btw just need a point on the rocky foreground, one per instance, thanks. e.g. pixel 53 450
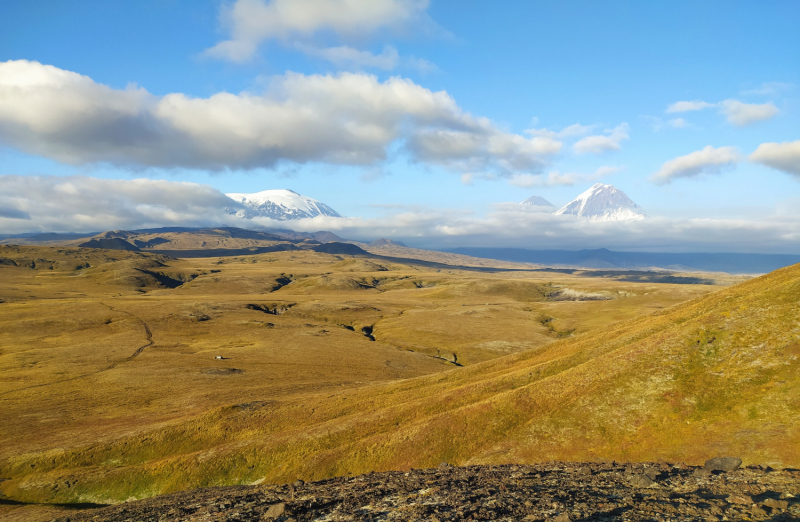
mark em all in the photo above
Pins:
pixel 557 491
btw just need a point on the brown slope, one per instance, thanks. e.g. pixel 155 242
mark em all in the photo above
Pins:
pixel 715 375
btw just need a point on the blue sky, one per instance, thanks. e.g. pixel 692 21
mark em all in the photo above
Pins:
pixel 509 72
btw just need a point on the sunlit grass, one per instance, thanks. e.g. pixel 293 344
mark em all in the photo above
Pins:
pixel 589 380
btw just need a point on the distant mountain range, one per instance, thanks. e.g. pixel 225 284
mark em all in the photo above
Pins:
pixel 599 203
pixel 157 240
pixel 279 204
pixel 603 258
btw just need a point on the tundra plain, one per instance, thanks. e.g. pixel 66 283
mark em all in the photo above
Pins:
pixel 127 374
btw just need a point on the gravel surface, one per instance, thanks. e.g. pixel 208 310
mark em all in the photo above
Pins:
pixel 556 491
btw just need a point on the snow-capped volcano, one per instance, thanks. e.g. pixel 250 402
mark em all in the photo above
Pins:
pixel 603 203
pixel 538 203
pixel 280 204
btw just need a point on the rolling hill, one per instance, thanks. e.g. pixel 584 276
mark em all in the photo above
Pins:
pixel 715 375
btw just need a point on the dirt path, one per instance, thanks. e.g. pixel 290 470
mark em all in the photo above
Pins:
pixel 148 333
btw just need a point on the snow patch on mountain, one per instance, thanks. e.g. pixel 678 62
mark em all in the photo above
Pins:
pixel 603 203
pixel 279 204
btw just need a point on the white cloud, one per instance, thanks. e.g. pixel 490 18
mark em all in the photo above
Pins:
pixel 571 131
pixel 678 123
pixel 481 147
pixel 736 112
pixel 345 57
pixel 348 118
pixel 601 172
pixel 552 179
pixel 251 22
pixel 686 106
pixel 556 178
pixel 82 204
pixel 781 156
pixel 350 58
pixel 603 143
pixel 742 114
pixel 419 64
pixel 769 89
pixel 78 203
pixel 707 160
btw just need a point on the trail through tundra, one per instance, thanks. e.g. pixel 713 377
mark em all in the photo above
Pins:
pixel 139 350
pixel 137 353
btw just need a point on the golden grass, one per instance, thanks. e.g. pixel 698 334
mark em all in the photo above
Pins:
pixel 301 395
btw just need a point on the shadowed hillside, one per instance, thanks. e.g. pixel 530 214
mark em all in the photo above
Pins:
pixel 716 375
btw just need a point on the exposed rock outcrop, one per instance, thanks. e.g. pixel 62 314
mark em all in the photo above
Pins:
pixel 547 492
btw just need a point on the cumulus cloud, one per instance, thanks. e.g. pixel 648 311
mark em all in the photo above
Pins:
pixel 600 144
pixel 348 118
pixel 736 112
pixel 555 178
pixel 514 226
pixel 251 22
pixel 551 179
pixel 510 227
pixel 481 147
pixel 601 172
pixel 571 131
pixel 769 88
pixel 678 123
pixel 13 213
pixel 686 106
pixel 82 204
pixel 708 160
pixel 781 156
pixel 346 57
pixel 743 114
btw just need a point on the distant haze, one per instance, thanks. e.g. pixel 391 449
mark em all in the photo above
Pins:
pixel 603 258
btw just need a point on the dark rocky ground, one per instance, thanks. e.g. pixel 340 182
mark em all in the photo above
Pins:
pixel 555 491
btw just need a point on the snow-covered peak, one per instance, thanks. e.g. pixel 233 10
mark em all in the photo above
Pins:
pixel 603 203
pixel 280 204
pixel 537 201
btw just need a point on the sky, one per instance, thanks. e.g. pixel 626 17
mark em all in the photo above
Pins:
pixel 423 121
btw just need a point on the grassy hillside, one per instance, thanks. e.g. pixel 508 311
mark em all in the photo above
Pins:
pixel 715 375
